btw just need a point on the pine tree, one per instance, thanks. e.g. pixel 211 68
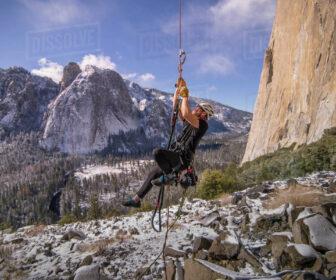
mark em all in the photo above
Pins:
pixel 95 211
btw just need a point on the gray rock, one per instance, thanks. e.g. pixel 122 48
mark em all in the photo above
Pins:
pixel 73 233
pixel 210 218
pixel 332 274
pixel 201 243
pixel 301 254
pixel 202 255
pixel 293 214
pixel 300 233
pixel 247 256
pixel 225 246
pixel 237 197
pixel 244 224
pixel 134 231
pixel 58 270
pixel 170 252
pixel 276 222
pixel 87 260
pixel 265 250
pixel 277 244
pixel 70 72
pixel 331 265
pixel 304 275
pixel 322 233
pixel 194 270
pixel 171 271
pixel 95 106
pixel 88 272
pixel 327 210
pixel 179 271
pixel 331 256
pixel 17 240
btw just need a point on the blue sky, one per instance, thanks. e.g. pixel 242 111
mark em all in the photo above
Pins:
pixel 225 41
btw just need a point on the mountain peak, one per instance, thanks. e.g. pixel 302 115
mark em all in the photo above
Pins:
pixel 70 73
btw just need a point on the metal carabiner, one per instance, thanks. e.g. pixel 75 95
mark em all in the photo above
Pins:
pixel 182 56
pixel 182 59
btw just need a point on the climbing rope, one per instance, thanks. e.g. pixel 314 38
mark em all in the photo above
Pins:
pixel 166 236
pixel 182 58
pixel 177 216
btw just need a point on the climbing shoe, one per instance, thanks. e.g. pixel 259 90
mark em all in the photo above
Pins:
pixel 131 203
pixel 164 180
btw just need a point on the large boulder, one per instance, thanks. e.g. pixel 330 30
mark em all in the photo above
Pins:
pixel 209 219
pixel 73 233
pixel 322 233
pixel 195 270
pixel 201 243
pixel 301 255
pixel 327 210
pixel 171 271
pixel 293 213
pixel 88 272
pixel 278 242
pixel 171 252
pixel 225 246
pixel 204 270
pixel 247 256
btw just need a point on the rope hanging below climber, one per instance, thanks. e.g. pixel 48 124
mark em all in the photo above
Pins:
pixel 175 164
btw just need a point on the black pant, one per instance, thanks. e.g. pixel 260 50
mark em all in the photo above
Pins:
pixel 166 161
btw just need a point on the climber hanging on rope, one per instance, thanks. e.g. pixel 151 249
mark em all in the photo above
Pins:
pixel 170 162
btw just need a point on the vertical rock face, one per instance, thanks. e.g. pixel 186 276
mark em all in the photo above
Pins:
pixel 23 100
pixel 81 118
pixel 70 73
pixel 297 93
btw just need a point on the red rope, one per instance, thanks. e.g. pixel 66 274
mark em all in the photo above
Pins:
pixel 166 236
pixel 168 191
pixel 180 26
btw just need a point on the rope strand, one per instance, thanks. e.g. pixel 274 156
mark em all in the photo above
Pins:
pixel 178 215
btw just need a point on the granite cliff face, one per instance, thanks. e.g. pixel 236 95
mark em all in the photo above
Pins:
pixel 96 109
pixel 23 100
pixel 93 106
pixel 297 93
pixel 99 110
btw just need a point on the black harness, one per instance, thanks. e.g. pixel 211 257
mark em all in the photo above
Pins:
pixel 187 179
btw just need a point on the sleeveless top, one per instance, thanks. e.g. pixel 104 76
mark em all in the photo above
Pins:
pixel 188 140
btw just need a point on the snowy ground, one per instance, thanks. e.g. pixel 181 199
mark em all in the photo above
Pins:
pixel 122 245
pixel 94 170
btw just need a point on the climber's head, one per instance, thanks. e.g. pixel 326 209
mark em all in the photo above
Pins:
pixel 204 111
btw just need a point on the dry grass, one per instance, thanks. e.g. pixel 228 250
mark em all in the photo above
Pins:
pixel 175 226
pixel 35 230
pixel 296 195
pixel 102 244
pixel 98 245
pixel 225 199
